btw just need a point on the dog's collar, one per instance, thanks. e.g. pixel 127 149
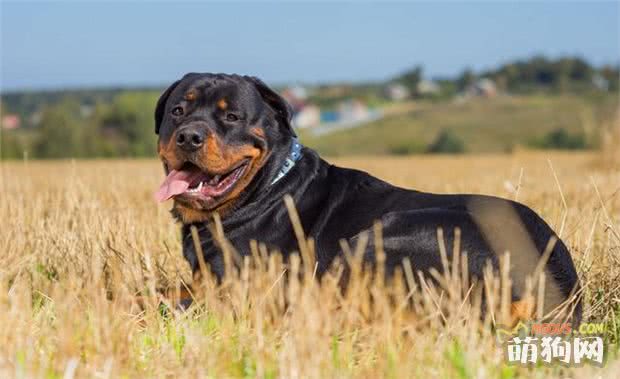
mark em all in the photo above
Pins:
pixel 293 157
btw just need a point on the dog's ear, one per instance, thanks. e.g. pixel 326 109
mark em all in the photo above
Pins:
pixel 282 108
pixel 161 105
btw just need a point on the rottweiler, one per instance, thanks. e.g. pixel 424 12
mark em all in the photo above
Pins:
pixel 227 146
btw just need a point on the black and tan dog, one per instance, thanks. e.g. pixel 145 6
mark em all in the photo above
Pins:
pixel 227 146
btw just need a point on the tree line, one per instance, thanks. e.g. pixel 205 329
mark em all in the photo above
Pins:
pixel 536 74
pixel 122 127
pixel 119 123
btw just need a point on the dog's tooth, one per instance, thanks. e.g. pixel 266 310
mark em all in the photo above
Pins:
pixel 199 187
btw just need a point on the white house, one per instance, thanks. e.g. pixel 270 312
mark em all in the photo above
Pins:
pixel 307 117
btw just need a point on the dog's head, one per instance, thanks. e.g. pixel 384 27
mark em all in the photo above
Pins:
pixel 217 135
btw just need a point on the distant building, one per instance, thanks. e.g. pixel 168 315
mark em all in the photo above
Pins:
pixel 396 92
pixel 86 110
pixel 307 117
pixel 352 110
pixel 484 87
pixel 348 114
pixel 600 82
pixel 298 92
pixel 35 118
pixel 427 87
pixel 11 121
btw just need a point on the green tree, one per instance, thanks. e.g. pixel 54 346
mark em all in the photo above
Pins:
pixel 465 79
pixel 411 78
pixel 61 135
pixel 128 121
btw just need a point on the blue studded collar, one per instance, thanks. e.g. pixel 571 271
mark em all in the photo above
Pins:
pixel 290 161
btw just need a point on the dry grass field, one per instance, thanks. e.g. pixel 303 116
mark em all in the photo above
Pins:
pixel 80 240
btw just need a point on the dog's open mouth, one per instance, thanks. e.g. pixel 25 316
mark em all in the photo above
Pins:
pixel 192 182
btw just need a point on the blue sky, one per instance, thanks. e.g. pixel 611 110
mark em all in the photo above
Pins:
pixel 68 44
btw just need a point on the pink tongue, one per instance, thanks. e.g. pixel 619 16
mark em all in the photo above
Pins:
pixel 175 183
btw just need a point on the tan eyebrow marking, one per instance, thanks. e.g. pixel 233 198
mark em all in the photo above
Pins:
pixel 190 96
pixel 222 104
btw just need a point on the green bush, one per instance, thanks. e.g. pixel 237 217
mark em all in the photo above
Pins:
pixel 447 142
pixel 562 140
pixel 11 147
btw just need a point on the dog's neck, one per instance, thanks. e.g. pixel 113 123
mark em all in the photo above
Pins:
pixel 292 158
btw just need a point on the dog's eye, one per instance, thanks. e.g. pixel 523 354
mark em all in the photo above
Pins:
pixel 177 111
pixel 231 117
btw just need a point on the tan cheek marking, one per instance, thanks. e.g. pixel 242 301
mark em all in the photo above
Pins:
pixel 259 132
pixel 216 156
pixel 222 104
pixel 167 152
pixel 212 146
pixel 255 165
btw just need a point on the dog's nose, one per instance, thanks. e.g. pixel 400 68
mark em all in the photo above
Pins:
pixel 191 138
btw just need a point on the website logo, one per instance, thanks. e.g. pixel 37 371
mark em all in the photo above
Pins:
pixel 529 344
